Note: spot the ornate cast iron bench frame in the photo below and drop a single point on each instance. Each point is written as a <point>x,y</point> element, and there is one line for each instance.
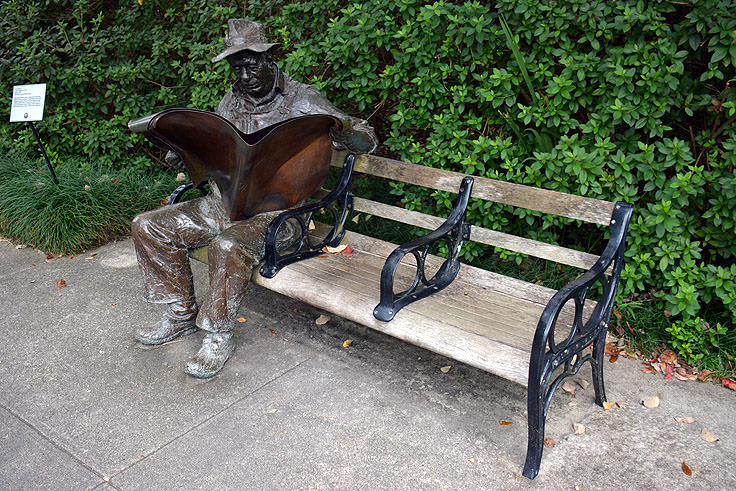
<point>524,332</point>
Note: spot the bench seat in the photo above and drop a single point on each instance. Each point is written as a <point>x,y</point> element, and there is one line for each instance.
<point>483,319</point>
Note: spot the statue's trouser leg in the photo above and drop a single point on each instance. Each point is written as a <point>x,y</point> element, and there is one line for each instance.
<point>232,255</point>
<point>161,239</point>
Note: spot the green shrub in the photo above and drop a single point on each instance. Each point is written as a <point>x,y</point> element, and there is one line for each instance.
<point>91,204</point>
<point>621,100</point>
<point>617,100</point>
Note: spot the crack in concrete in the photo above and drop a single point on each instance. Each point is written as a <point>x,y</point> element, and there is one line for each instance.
<point>54,444</point>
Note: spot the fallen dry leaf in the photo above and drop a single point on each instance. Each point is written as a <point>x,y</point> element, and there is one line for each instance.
<point>727,382</point>
<point>311,226</point>
<point>241,319</point>
<point>272,411</point>
<point>578,428</point>
<point>668,356</point>
<point>548,442</point>
<point>686,469</point>
<point>505,423</point>
<point>569,388</point>
<point>648,368</point>
<point>583,383</point>
<point>60,284</point>
<point>613,358</point>
<point>347,343</point>
<point>688,420</point>
<point>49,257</point>
<point>322,320</point>
<point>608,405</point>
<point>611,349</point>
<point>272,331</point>
<point>685,377</point>
<point>348,252</point>
<point>704,375</point>
<point>181,177</point>
<point>445,369</point>
<point>651,402</point>
<point>335,250</point>
<point>707,436</point>
<point>356,219</point>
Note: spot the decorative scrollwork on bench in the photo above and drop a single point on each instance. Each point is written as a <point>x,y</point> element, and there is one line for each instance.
<point>453,232</point>
<point>338,203</point>
<point>549,354</point>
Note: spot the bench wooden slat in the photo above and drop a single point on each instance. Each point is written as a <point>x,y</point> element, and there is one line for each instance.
<point>447,337</point>
<point>578,207</point>
<point>476,276</point>
<point>509,242</point>
<point>504,313</point>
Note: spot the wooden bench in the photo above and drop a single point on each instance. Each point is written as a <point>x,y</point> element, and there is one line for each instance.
<point>521,331</point>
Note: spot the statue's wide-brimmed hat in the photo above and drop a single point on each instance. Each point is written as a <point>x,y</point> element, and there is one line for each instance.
<point>245,35</point>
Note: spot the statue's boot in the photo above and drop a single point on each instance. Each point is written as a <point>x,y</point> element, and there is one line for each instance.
<point>178,320</point>
<point>211,357</point>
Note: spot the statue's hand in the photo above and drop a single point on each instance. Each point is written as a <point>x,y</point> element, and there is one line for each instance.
<point>173,160</point>
<point>355,135</point>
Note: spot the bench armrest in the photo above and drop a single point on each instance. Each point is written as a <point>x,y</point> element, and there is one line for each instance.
<point>339,202</point>
<point>453,232</point>
<point>548,354</point>
<point>176,195</point>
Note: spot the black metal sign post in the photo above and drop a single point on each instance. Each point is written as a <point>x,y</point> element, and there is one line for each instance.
<point>43,151</point>
<point>27,107</point>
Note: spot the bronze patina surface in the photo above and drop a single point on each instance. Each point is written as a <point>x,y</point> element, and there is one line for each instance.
<point>272,169</point>
<point>261,96</point>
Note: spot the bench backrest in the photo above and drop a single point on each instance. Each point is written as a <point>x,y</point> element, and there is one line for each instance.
<point>577,207</point>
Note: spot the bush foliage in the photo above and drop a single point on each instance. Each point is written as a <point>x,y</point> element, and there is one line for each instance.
<point>621,100</point>
<point>89,206</point>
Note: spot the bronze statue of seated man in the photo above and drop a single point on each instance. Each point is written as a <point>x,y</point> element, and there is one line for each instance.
<point>261,96</point>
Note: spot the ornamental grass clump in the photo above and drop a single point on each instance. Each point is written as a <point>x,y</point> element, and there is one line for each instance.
<point>90,206</point>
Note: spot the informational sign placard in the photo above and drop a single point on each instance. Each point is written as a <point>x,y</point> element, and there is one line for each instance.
<point>28,101</point>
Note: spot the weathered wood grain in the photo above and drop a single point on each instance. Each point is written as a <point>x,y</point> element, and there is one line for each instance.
<point>445,337</point>
<point>509,242</point>
<point>578,207</point>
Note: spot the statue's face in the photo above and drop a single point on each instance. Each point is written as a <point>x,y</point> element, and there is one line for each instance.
<point>255,75</point>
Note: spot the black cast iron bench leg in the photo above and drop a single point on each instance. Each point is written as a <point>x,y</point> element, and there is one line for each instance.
<point>548,355</point>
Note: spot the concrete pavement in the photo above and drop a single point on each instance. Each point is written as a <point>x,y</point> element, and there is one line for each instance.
<point>82,405</point>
